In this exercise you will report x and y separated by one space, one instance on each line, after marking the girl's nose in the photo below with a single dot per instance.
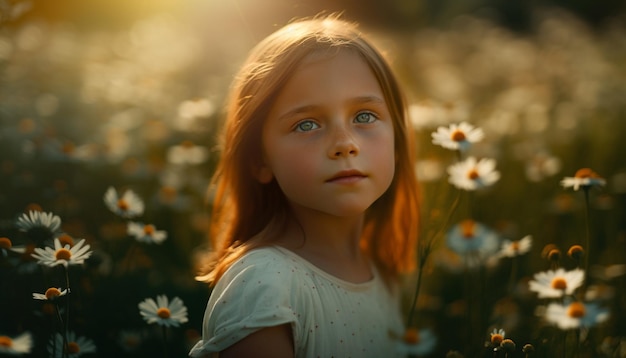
343 144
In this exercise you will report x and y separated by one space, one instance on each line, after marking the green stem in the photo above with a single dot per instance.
164 341
67 310
587 230
425 252
512 278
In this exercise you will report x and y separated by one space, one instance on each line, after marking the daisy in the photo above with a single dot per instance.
76 345
554 284
585 178
163 312
6 245
146 233
516 248
51 294
63 254
497 336
471 174
39 224
18 345
190 111
429 170
457 137
130 341
575 314
127 206
469 236
187 153
417 342
541 166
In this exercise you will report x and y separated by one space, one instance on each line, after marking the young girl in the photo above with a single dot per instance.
316 202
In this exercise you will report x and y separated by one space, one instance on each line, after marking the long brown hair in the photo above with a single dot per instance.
247 214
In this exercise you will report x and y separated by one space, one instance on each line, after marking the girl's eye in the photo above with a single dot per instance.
365 117
306 126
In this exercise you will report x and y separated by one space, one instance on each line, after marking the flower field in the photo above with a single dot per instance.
108 139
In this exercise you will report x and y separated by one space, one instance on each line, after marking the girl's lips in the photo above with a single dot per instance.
346 177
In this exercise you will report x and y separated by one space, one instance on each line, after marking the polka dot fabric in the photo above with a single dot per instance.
329 317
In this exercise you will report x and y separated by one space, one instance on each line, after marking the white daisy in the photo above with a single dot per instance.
417 342
497 336
473 241
146 233
187 153
585 178
37 220
471 174
457 137
429 170
19 345
556 283
127 206
471 236
163 312
76 345
575 314
517 247
6 245
51 294
190 111
541 166
62 254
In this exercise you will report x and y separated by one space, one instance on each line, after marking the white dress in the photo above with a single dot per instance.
329 317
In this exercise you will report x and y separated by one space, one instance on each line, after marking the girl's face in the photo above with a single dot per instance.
328 140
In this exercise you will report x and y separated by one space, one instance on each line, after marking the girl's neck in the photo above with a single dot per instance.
330 243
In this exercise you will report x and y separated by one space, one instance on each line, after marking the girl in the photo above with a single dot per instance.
315 212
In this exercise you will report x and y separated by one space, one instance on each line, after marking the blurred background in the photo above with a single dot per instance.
130 94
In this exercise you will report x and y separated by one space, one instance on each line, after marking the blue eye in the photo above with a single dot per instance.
365 117
306 126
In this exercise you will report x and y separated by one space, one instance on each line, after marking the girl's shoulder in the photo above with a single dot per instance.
265 257
267 264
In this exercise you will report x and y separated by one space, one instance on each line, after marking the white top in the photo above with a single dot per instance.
329 317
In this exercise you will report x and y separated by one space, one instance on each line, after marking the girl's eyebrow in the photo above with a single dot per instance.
308 108
368 99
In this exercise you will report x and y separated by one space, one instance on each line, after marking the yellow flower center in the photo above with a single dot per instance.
575 251
515 246
122 205
411 336
26 256
5 243
163 312
559 283
496 339
187 144
586 173
66 239
63 254
168 194
554 254
148 230
73 347
468 228
68 147
26 125
457 136
52 293
576 310
5 342
473 174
